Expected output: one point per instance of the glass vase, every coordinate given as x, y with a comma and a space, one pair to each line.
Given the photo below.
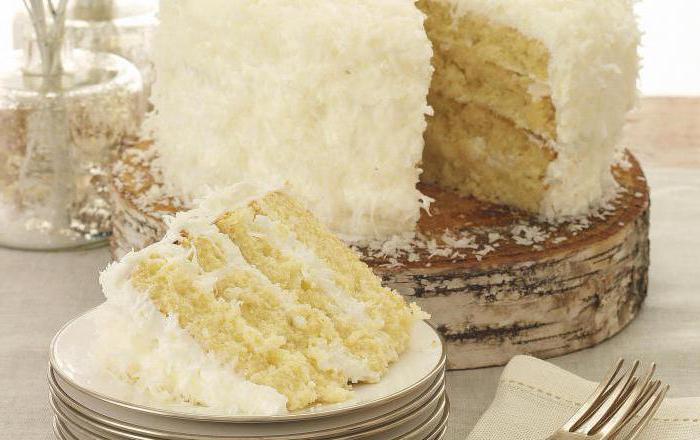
58, 138
122, 27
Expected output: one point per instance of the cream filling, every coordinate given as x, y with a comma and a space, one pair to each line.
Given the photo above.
539, 90
336, 356
316, 269
328, 357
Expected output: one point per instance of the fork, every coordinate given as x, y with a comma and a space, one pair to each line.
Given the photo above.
610, 412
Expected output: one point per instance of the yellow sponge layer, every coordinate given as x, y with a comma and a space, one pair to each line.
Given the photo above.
220, 329
493, 114
507, 93
355, 277
479, 39
475, 152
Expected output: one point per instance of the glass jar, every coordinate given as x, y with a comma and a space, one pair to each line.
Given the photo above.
122, 27
58, 138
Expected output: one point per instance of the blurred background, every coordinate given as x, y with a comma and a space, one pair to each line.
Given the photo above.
670, 49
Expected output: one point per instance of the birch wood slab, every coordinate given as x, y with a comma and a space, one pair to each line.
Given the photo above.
546, 299
496, 282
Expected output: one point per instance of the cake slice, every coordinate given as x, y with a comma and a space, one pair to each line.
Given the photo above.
249, 290
529, 99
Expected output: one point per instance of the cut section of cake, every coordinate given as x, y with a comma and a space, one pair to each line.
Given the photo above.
248, 291
529, 99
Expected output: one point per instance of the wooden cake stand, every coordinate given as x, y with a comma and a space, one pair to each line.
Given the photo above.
497, 282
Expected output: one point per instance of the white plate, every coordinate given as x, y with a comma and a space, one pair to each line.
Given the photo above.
429, 424
425, 423
71, 410
412, 375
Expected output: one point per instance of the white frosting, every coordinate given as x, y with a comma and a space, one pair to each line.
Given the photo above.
317, 269
592, 77
329, 96
213, 205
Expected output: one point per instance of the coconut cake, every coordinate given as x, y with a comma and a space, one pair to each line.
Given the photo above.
350, 102
248, 293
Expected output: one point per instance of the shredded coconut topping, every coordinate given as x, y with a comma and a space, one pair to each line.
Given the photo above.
480, 242
327, 96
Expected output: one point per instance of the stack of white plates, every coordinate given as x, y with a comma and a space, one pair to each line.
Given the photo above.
409, 403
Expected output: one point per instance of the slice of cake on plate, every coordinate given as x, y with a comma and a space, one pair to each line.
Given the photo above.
248, 305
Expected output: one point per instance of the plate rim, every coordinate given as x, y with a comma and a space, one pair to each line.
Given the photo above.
59, 429
436, 390
439, 431
441, 410
275, 418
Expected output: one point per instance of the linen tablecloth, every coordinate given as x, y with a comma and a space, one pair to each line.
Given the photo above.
535, 398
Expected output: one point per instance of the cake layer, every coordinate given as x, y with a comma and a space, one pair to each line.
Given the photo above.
509, 94
351, 273
260, 301
564, 70
479, 153
451, 26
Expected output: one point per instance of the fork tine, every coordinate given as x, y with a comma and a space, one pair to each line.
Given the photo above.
646, 396
606, 406
596, 419
594, 400
598, 403
649, 391
641, 394
614, 424
649, 415
615, 407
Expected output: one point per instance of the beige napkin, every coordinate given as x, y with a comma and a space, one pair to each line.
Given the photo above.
534, 398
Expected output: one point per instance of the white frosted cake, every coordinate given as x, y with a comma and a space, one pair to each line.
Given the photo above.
248, 305
525, 108
326, 96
